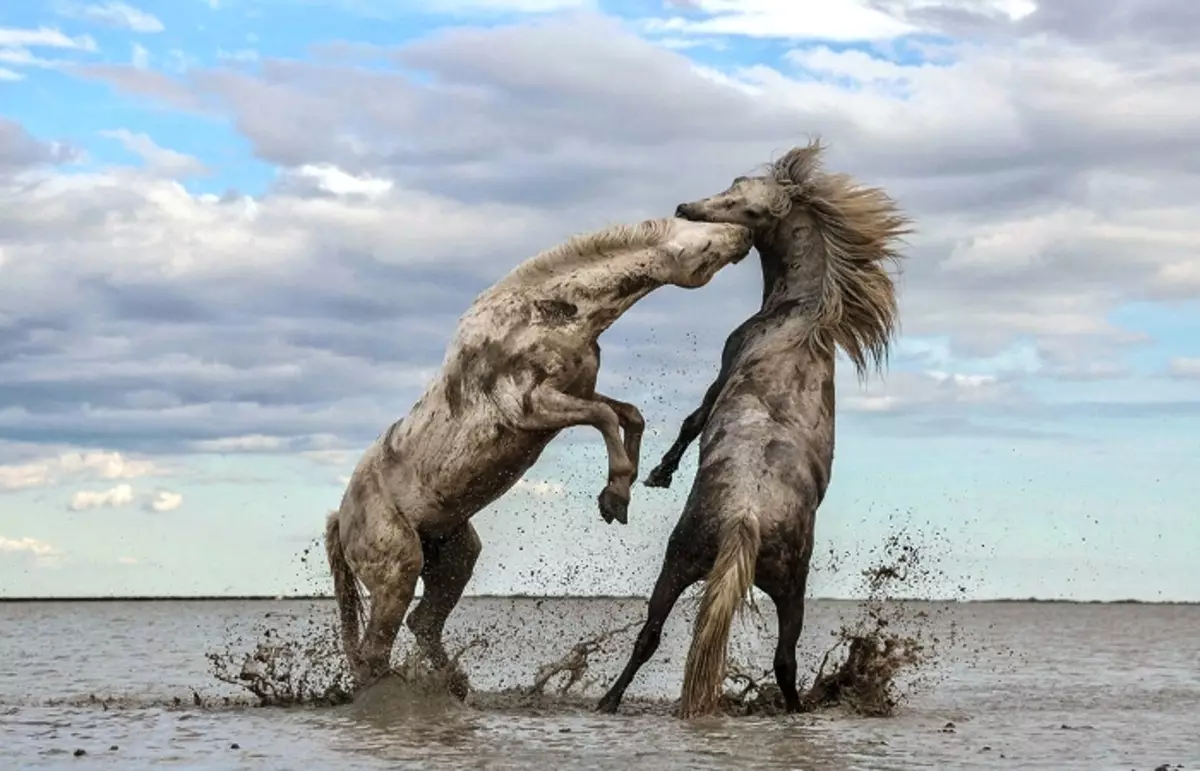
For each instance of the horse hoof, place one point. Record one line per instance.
(458, 684)
(659, 477)
(614, 507)
(607, 707)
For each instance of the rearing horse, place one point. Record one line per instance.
(766, 424)
(521, 366)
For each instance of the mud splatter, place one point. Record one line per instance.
(886, 652)
(575, 664)
(287, 666)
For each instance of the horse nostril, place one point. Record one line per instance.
(681, 210)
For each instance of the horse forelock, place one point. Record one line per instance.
(590, 248)
(860, 228)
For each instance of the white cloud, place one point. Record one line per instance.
(140, 56)
(1184, 367)
(6, 74)
(164, 500)
(44, 37)
(121, 495)
(43, 553)
(243, 55)
(96, 464)
(540, 488)
(249, 443)
(116, 14)
(935, 389)
(841, 20)
(159, 160)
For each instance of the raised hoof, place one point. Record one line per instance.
(614, 507)
(659, 477)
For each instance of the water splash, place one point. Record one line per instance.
(886, 652)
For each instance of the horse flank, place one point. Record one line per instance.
(860, 228)
(585, 249)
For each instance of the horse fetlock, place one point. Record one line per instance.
(659, 476)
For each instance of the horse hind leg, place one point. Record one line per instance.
(388, 564)
(449, 565)
(677, 574)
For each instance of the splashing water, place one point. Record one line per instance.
(881, 656)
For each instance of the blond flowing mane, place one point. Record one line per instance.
(860, 227)
(588, 248)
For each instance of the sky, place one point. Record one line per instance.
(235, 236)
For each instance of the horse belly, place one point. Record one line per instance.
(473, 472)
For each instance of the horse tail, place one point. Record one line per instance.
(345, 588)
(727, 586)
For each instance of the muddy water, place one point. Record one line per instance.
(1017, 686)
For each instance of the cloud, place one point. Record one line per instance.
(44, 37)
(904, 392)
(19, 150)
(158, 160)
(139, 56)
(43, 554)
(91, 464)
(164, 500)
(250, 443)
(121, 495)
(1051, 177)
(115, 14)
(1184, 367)
(540, 488)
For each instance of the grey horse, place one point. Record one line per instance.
(766, 423)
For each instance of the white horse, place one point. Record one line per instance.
(521, 367)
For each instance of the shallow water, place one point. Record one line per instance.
(1026, 686)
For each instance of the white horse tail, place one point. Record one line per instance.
(727, 586)
(345, 588)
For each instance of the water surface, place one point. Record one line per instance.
(1025, 686)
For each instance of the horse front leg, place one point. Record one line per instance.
(693, 424)
(548, 409)
(633, 426)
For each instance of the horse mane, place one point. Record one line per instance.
(859, 227)
(587, 248)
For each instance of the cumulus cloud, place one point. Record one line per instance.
(121, 495)
(71, 466)
(1049, 170)
(165, 500)
(42, 553)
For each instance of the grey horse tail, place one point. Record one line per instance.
(345, 588)
(727, 586)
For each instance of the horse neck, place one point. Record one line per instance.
(604, 290)
(794, 266)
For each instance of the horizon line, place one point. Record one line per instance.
(312, 597)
